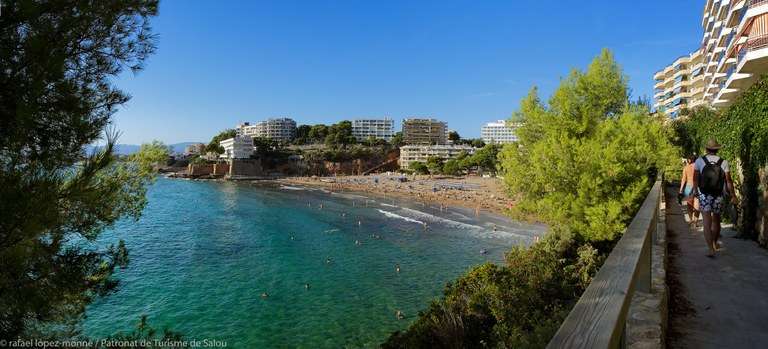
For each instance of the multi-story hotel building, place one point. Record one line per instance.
(280, 129)
(424, 131)
(411, 153)
(362, 129)
(498, 132)
(733, 54)
(239, 147)
(680, 85)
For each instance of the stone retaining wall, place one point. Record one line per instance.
(648, 312)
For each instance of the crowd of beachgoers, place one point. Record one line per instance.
(477, 193)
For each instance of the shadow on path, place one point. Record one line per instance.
(719, 302)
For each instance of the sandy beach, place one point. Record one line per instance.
(477, 193)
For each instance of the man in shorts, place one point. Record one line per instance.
(712, 177)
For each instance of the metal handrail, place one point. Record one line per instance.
(598, 320)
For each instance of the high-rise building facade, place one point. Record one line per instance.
(279, 129)
(498, 132)
(733, 55)
(362, 129)
(424, 131)
(680, 85)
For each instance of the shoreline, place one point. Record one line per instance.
(473, 193)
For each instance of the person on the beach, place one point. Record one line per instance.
(711, 178)
(686, 190)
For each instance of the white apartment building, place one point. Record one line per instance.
(733, 54)
(498, 132)
(239, 147)
(279, 129)
(411, 153)
(680, 85)
(384, 129)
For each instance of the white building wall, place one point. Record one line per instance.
(384, 129)
(498, 132)
(280, 129)
(239, 147)
(411, 153)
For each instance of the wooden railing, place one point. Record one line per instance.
(599, 318)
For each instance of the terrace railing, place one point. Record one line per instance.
(598, 320)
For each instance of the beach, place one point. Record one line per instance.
(477, 193)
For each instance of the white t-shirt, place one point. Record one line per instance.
(699, 164)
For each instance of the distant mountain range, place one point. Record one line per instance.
(128, 149)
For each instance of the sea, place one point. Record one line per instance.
(274, 266)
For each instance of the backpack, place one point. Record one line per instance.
(712, 178)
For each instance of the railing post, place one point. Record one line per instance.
(644, 265)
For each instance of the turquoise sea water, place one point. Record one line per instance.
(204, 252)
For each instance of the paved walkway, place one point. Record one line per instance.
(726, 296)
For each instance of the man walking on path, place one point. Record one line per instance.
(712, 176)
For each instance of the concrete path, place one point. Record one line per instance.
(719, 302)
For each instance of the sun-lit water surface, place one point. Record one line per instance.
(204, 252)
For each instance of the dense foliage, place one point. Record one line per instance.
(419, 167)
(57, 63)
(340, 134)
(585, 160)
(214, 147)
(742, 128)
(517, 305)
(152, 155)
(583, 164)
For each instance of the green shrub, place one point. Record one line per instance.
(583, 165)
(419, 167)
(520, 304)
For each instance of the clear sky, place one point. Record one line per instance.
(464, 62)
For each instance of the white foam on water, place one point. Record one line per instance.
(475, 229)
(448, 222)
(288, 187)
(349, 196)
(397, 216)
(388, 205)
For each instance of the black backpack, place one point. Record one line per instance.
(712, 178)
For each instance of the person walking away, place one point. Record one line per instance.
(711, 177)
(686, 190)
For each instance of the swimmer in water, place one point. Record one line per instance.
(343, 214)
(399, 315)
(359, 222)
(357, 242)
(321, 206)
(483, 251)
(264, 295)
(328, 260)
(293, 237)
(495, 228)
(397, 268)
(306, 286)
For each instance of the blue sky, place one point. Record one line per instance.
(464, 62)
